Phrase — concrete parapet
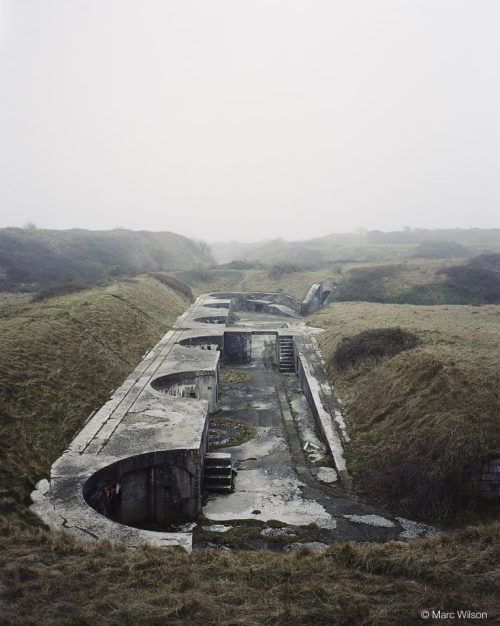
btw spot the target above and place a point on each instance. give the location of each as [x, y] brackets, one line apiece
[323, 419]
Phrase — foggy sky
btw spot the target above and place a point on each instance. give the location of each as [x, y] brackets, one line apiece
[231, 119]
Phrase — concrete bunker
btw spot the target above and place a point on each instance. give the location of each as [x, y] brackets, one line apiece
[149, 490]
[191, 384]
[235, 346]
[139, 463]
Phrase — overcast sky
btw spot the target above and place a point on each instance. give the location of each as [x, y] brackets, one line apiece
[245, 119]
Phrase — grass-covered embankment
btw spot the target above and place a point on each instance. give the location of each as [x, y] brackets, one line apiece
[420, 420]
[295, 283]
[59, 360]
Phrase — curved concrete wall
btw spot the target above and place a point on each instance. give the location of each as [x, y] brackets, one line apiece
[140, 458]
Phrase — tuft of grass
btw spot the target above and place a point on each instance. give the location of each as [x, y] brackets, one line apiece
[229, 432]
[55, 580]
[230, 376]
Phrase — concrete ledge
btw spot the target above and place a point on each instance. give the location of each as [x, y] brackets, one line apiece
[323, 419]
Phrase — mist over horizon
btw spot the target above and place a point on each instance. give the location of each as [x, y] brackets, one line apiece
[232, 121]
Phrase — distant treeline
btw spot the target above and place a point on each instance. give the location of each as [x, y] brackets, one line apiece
[469, 236]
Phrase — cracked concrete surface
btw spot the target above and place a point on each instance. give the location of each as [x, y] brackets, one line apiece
[278, 476]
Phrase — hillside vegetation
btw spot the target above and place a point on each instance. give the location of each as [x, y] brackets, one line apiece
[295, 283]
[421, 281]
[421, 418]
[376, 245]
[31, 258]
[59, 360]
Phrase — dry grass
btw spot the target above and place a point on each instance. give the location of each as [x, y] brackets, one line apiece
[421, 420]
[54, 580]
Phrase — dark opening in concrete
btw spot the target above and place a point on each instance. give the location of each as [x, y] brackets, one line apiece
[153, 490]
[211, 320]
[181, 384]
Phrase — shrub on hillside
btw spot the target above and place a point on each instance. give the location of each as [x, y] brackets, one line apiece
[372, 344]
[242, 264]
[283, 268]
[175, 284]
[365, 284]
[442, 250]
[477, 282]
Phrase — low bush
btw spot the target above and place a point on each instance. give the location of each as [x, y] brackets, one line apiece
[442, 250]
[242, 264]
[373, 344]
[366, 284]
[477, 282]
[283, 268]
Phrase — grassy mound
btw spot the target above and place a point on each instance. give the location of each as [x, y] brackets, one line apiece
[422, 419]
[423, 281]
[33, 258]
[372, 344]
[59, 360]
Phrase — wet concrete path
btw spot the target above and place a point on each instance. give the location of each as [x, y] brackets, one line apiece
[284, 473]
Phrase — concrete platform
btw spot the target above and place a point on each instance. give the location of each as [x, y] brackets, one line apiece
[138, 464]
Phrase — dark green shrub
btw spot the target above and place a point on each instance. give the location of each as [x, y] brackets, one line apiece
[283, 268]
[477, 282]
[372, 344]
[442, 250]
[365, 284]
[242, 264]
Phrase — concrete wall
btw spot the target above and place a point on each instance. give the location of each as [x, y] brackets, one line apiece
[323, 419]
[202, 385]
[238, 300]
[316, 296]
[486, 484]
[154, 489]
[237, 347]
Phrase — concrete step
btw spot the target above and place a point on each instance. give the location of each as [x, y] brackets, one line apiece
[219, 488]
[218, 458]
[218, 478]
[218, 472]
